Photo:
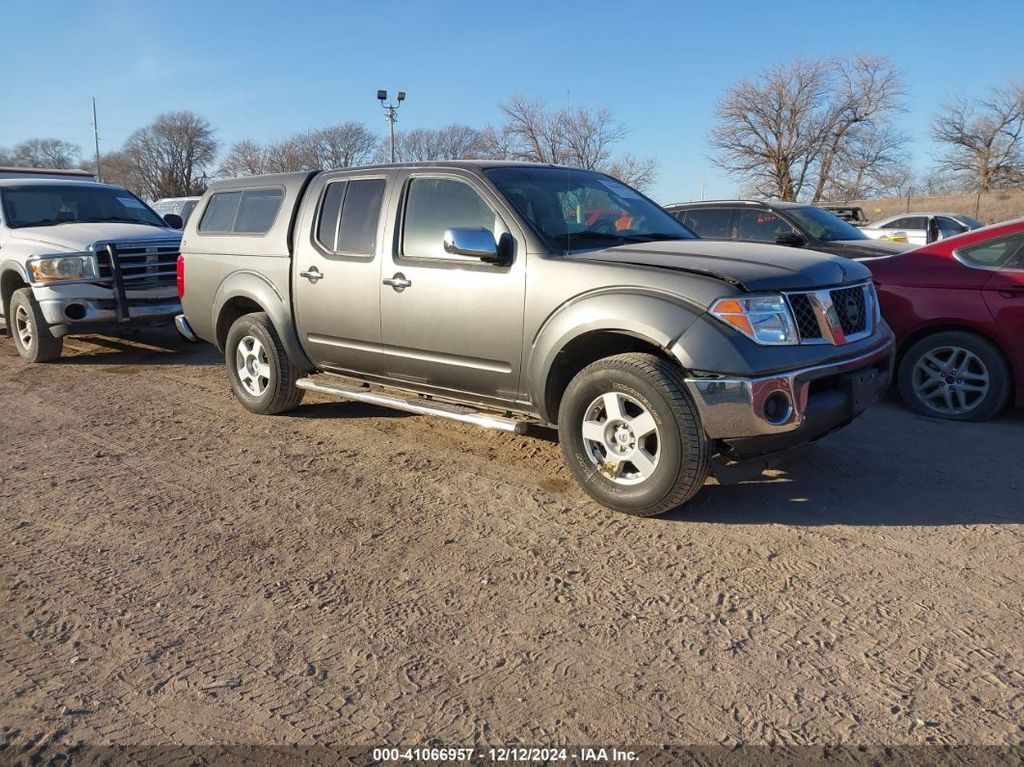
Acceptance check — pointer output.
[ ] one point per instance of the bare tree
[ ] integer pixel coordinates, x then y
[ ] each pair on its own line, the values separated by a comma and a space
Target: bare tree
342, 146
452, 142
872, 163
121, 169
43, 153
577, 136
866, 93
983, 139
638, 172
245, 158
337, 146
785, 133
171, 155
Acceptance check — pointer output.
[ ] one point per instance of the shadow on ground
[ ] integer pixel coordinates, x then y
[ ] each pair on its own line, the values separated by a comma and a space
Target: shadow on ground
890, 467
144, 346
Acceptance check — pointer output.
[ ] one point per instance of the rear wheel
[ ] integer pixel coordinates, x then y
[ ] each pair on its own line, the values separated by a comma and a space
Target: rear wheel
28, 328
631, 436
955, 375
262, 377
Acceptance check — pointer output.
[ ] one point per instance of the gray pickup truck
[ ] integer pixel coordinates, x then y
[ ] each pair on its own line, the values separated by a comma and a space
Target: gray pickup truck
505, 294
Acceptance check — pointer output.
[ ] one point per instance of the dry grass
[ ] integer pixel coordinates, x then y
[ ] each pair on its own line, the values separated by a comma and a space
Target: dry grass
988, 208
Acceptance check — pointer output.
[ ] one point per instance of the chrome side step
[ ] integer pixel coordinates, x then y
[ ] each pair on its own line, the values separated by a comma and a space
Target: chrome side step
419, 406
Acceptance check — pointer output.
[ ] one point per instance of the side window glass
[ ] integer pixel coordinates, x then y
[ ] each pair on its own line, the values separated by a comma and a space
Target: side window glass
760, 225
711, 223
257, 211
220, 212
330, 210
916, 222
949, 227
435, 204
994, 253
359, 216
250, 211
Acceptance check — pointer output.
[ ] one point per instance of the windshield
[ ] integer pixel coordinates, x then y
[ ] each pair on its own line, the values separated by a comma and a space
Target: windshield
971, 222
573, 210
825, 226
54, 204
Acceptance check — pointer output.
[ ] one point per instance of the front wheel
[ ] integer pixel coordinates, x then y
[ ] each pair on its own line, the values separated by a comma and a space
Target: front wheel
27, 325
262, 377
631, 436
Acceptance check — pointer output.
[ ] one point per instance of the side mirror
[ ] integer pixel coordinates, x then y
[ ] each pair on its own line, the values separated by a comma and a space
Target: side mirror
476, 242
174, 221
790, 238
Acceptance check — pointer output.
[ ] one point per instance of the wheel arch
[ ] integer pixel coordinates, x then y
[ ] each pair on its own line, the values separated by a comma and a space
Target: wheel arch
12, 278
244, 293
600, 326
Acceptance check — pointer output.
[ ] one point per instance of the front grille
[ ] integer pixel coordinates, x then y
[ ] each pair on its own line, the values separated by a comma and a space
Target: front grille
852, 309
144, 265
806, 321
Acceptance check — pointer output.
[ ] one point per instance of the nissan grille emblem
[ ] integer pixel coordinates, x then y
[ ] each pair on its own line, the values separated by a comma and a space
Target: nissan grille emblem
851, 307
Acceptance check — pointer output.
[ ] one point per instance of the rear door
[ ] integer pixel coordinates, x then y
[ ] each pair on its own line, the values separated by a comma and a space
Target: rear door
1004, 292
336, 272
452, 322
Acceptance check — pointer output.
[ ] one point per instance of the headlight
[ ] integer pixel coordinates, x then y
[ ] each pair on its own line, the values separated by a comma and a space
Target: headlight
764, 319
59, 268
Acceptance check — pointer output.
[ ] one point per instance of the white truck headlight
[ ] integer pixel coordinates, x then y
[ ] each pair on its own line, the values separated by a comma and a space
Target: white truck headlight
764, 319
77, 266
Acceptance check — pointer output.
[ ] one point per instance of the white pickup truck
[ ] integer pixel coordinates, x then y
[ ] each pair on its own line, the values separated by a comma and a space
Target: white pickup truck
81, 257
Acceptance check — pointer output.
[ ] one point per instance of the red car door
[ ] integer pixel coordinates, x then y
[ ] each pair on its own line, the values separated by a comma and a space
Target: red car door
1004, 296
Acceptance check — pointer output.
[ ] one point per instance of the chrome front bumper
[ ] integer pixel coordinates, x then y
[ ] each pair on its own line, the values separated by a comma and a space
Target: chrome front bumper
734, 408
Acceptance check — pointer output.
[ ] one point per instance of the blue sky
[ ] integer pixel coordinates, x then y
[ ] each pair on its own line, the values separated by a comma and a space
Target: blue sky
264, 70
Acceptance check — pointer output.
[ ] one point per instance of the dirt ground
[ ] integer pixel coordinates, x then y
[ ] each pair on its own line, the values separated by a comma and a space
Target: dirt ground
177, 570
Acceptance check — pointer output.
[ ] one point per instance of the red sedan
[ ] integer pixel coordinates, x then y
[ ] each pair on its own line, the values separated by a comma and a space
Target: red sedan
957, 308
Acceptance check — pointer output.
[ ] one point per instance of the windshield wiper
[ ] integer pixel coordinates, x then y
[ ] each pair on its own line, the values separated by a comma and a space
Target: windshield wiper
113, 219
652, 237
45, 222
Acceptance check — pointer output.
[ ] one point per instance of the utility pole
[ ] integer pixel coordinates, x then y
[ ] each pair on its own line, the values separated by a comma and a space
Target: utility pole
391, 114
96, 139
702, 188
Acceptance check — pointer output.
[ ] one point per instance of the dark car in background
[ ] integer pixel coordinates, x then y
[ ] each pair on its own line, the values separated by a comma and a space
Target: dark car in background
850, 213
780, 223
957, 309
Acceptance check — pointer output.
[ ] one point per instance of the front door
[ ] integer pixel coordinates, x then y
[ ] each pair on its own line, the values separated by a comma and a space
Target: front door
336, 274
449, 322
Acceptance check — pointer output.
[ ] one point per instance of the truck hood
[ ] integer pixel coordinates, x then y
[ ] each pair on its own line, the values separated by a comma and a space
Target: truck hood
750, 266
77, 237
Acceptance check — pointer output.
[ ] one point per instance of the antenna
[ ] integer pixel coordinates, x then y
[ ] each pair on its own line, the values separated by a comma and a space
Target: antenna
96, 139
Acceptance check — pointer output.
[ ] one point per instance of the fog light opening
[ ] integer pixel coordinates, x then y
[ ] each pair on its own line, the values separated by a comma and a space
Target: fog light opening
777, 408
74, 312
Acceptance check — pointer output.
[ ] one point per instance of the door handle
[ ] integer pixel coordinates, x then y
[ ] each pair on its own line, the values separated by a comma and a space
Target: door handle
398, 282
312, 274
1012, 293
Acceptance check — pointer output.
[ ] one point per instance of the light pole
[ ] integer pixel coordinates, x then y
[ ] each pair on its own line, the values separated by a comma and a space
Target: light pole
391, 116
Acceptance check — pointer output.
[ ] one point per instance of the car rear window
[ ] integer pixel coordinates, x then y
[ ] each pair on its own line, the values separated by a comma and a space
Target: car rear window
249, 211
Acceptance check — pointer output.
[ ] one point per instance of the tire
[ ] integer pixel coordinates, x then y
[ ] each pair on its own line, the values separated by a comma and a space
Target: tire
630, 385
28, 328
253, 349
975, 390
